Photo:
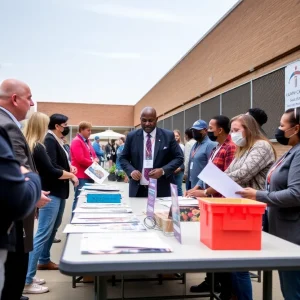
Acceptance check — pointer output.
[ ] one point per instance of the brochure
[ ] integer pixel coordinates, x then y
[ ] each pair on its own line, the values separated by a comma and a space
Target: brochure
120, 227
96, 172
103, 220
120, 243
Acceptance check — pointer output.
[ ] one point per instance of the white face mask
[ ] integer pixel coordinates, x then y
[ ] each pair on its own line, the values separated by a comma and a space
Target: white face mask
238, 139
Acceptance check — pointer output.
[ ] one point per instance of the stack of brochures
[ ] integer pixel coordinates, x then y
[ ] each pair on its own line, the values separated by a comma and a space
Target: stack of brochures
118, 243
105, 228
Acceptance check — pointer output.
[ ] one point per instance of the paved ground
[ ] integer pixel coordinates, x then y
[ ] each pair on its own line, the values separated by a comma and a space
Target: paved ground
61, 288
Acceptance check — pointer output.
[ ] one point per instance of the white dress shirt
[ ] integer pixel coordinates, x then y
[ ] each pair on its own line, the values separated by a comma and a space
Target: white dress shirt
143, 180
12, 116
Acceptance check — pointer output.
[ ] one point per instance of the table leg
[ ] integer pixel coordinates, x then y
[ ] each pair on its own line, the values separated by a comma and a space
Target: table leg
267, 285
100, 288
212, 287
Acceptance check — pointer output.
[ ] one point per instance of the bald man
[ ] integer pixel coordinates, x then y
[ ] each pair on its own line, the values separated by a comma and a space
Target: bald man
15, 102
150, 152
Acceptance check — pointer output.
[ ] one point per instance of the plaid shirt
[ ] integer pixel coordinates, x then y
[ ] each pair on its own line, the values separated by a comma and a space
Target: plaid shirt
225, 155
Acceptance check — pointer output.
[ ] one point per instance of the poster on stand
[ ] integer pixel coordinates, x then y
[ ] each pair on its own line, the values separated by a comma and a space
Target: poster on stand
152, 191
175, 213
292, 85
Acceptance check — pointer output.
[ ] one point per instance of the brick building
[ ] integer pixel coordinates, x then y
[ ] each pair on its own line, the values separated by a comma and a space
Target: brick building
238, 64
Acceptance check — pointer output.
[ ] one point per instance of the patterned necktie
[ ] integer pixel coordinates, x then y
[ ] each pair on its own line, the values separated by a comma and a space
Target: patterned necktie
148, 155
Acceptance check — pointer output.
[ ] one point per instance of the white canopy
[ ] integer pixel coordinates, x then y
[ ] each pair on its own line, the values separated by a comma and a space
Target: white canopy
107, 134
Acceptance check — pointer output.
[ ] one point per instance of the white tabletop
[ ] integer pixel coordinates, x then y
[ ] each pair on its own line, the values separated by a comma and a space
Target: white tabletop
190, 256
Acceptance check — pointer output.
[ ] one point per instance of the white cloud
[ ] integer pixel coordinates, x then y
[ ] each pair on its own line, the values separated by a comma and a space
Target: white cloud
138, 13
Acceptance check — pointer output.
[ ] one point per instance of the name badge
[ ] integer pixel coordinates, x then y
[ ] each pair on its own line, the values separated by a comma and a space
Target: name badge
148, 163
191, 165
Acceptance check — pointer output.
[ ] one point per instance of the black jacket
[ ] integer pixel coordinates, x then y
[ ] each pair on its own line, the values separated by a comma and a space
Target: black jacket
50, 173
167, 155
17, 196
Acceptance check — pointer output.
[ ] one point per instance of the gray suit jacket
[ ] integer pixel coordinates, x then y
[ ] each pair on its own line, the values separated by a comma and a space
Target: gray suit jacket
23, 155
283, 198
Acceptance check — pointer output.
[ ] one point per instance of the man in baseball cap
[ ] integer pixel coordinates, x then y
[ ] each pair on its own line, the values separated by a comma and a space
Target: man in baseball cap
98, 150
200, 152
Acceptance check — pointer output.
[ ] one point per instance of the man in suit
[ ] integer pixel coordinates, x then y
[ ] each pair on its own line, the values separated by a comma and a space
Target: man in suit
150, 152
18, 196
15, 102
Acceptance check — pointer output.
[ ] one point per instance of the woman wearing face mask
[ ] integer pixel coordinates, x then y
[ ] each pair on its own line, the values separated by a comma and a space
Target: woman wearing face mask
179, 172
282, 195
55, 174
254, 157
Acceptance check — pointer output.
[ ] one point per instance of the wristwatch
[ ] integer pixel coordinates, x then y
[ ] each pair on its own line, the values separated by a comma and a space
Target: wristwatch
205, 193
163, 171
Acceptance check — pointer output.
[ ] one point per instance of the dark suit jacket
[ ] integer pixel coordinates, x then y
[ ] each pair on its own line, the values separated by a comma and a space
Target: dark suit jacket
167, 155
18, 196
283, 198
58, 157
23, 155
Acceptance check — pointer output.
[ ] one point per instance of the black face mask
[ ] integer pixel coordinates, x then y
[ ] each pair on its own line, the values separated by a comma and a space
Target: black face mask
211, 136
66, 131
197, 135
281, 139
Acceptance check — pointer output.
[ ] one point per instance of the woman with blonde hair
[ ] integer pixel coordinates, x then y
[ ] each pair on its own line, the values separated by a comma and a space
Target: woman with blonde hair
50, 216
253, 158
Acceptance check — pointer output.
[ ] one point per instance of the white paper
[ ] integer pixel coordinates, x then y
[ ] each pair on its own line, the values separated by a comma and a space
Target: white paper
119, 227
103, 205
191, 202
105, 210
219, 181
102, 216
96, 172
101, 187
180, 198
77, 219
94, 243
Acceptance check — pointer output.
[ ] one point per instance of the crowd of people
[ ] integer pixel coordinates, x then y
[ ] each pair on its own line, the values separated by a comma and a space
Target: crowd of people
37, 166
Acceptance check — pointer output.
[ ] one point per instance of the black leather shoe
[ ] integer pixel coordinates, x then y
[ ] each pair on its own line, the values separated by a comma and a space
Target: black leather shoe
56, 240
24, 298
204, 288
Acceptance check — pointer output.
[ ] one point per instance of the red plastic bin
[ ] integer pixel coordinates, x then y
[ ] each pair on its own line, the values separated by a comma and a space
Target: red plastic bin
231, 224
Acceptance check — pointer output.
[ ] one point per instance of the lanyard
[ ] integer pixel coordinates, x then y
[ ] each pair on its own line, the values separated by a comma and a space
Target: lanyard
214, 154
274, 168
87, 145
195, 151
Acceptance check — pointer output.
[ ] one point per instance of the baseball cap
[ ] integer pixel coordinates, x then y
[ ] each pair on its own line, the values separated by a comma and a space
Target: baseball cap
199, 125
97, 138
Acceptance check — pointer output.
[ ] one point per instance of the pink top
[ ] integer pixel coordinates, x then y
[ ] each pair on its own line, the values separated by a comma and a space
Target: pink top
82, 155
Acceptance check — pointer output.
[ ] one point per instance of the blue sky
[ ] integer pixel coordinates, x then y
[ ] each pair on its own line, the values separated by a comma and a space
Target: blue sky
99, 51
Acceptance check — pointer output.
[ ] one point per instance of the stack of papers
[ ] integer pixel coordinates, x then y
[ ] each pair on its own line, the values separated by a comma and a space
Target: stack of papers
103, 219
147, 242
105, 188
106, 210
189, 202
119, 227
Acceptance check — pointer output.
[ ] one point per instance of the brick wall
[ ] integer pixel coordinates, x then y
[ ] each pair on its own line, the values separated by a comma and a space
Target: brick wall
280, 149
97, 114
254, 33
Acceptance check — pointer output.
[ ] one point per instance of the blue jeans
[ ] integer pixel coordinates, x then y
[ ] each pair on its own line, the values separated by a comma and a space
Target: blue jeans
50, 218
178, 180
82, 182
242, 286
290, 284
